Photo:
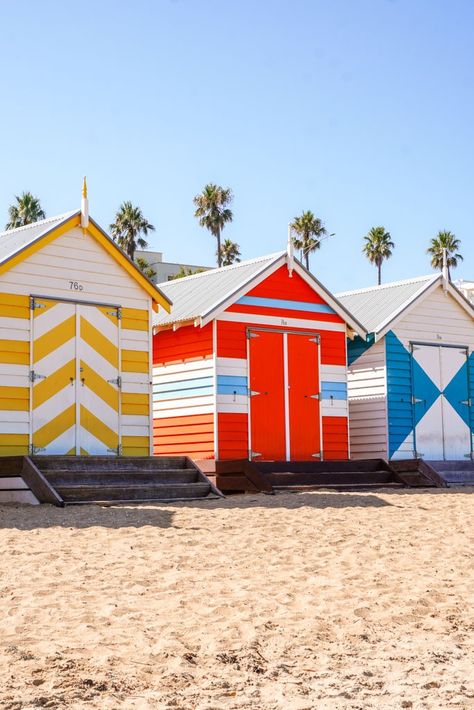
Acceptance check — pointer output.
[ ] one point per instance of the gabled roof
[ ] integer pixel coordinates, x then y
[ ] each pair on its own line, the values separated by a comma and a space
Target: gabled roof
18, 244
201, 297
378, 307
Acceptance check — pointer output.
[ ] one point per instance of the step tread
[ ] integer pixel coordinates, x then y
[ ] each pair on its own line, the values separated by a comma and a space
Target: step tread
340, 486
127, 484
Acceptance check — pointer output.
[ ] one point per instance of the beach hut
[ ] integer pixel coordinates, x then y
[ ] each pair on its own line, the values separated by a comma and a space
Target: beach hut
75, 341
251, 363
411, 382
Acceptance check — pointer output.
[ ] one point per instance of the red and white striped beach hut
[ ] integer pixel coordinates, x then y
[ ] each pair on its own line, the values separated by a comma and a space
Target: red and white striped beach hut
251, 363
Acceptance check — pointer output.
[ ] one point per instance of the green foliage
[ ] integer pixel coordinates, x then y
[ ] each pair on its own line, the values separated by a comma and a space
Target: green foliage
444, 240
145, 268
309, 230
230, 252
26, 210
128, 228
378, 246
213, 212
185, 271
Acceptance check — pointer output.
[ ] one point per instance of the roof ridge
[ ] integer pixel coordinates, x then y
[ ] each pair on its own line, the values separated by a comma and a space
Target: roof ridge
391, 284
39, 222
219, 270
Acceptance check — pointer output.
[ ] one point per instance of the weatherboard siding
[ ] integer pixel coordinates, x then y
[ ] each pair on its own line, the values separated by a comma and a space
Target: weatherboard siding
367, 401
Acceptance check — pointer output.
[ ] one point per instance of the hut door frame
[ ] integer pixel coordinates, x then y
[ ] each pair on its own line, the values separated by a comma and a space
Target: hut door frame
254, 331
73, 375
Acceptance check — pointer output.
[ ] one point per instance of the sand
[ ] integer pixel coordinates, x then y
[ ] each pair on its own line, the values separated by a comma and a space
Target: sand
295, 601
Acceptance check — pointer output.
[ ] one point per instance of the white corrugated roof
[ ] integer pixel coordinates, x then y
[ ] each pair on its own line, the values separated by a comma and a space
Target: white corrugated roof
13, 241
197, 295
377, 305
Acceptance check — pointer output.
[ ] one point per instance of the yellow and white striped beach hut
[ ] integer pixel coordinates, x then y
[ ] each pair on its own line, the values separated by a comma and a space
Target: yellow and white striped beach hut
75, 341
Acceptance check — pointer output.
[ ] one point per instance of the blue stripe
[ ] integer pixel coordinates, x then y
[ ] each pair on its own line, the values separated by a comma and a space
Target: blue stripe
334, 390
183, 393
282, 303
231, 384
182, 384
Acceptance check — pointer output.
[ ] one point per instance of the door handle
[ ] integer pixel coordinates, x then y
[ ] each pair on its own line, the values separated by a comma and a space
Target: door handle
72, 381
83, 380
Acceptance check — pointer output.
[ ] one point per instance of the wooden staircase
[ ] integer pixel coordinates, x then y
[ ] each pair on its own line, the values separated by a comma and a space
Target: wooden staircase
107, 479
274, 476
454, 473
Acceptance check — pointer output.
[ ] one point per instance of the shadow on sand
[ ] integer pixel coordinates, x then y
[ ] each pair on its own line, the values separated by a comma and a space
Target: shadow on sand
160, 515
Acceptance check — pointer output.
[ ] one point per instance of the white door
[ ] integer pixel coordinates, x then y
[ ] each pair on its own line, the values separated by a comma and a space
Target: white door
75, 378
441, 407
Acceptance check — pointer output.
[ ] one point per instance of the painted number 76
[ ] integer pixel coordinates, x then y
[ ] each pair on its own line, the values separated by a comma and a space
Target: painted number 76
75, 286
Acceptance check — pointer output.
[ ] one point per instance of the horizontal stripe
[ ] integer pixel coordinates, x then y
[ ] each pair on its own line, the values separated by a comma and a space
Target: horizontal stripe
9, 370
14, 417
14, 306
14, 352
335, 390
234, 366
301, 323
14, 427
135, 420
179, 385
284, 304
135, 441
196, 410
135, 403
183, 367
13, 440
128, 342
135, 319
183, 393
15, 398
232, 384
135, 361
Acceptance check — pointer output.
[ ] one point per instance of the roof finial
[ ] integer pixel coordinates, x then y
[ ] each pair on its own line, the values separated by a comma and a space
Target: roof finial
84, 206
290, 252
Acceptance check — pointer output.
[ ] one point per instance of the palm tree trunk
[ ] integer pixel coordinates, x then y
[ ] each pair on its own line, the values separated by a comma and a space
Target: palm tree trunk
219, 255
306, 258
379, 267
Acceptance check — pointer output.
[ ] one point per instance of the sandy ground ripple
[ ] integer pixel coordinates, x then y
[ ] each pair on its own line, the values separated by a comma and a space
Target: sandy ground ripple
294, 601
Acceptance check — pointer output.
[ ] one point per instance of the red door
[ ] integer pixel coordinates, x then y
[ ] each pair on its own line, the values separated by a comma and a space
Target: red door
303, 400
267, 395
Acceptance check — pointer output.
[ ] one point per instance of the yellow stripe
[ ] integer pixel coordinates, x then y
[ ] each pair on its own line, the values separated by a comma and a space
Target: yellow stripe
45, 304
134, 361
135, 441
100, 387
54, 428
84, 452
99, 342
130, 268
14, 445
54, 338
14, 306
135, 403
135, 451
71, 452
15, 399
106, 311
134, 319
14, 352
53, 384
98, 429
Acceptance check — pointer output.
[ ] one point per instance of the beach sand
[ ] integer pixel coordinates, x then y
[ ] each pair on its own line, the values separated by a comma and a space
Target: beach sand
293, 601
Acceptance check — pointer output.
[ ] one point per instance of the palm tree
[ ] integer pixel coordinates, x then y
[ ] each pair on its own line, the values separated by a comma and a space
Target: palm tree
128, 227
445, 240
213, 212
309, 229
145, 267
230, 252
378, 246
185, 271
26, 210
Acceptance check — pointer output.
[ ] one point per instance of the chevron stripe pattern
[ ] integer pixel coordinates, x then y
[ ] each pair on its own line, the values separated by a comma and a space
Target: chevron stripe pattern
76, 364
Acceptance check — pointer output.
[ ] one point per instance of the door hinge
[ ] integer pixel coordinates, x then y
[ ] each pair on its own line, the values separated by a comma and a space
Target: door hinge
34, 304
116, 314
254, 454
315, 396
468, 456
316, 456
418, 455
252, 335
253, 393
35, 449
415, 400
315, 339
35, 376
117, 381
467, 402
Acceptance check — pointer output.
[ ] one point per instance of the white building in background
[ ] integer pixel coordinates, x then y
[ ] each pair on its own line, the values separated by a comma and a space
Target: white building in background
165, 270
466, 288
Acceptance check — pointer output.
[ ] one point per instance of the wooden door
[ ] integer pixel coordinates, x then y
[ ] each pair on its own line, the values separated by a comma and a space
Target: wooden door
303, 400
267, 396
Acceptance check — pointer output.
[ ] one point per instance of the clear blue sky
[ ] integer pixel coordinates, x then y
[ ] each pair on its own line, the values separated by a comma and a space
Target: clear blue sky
360, 110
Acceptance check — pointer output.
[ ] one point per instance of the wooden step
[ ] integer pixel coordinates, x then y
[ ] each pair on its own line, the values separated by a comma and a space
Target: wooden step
127, 463
289, 478
130, 492
61, 477
340, 487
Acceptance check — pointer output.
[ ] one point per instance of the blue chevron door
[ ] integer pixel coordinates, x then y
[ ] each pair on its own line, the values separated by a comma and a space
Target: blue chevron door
441, 402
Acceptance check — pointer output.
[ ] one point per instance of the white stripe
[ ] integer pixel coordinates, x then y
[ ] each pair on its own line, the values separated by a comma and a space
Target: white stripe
133, 388
128, 430
14, 427
334, 377
14, 370
44, 322
138, 336
239, 399
99, 408
178, 368
140, 378
329, 371
201, 401
15, 381
15, 417
178, 377
135, 420
232, 366
56, 359
187, 411
338, 408
14, 334
315, 325
53, 406
232, 408
14, 324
